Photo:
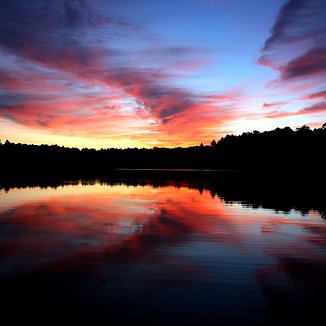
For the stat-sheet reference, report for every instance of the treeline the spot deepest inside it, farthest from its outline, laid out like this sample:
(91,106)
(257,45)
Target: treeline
(284,149)
(280,149)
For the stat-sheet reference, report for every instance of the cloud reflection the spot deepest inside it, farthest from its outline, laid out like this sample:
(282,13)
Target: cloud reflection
(166,252)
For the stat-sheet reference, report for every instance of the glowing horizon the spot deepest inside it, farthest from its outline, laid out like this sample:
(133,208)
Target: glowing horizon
(118,74)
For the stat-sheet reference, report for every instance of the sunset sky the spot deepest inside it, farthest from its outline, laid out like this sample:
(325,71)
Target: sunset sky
(141,73)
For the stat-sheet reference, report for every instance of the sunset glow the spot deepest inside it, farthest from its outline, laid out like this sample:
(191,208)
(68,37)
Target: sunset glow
(126,73)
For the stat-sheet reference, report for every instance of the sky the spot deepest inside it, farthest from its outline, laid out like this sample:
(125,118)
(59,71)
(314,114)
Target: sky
(126,73)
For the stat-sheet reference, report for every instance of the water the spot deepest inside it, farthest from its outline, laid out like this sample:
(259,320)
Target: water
(122,253)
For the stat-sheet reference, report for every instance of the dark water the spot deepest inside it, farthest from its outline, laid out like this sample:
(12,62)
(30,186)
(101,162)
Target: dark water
(156,255)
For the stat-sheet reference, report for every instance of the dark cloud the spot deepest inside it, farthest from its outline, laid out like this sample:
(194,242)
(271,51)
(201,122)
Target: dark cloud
(55,33)
(35,34)
(297,45)
(75,12)
(12,100)
(310,63)
(296,21)
(315,108)
(321,94)
(312,109)
(8,79)
(151,90)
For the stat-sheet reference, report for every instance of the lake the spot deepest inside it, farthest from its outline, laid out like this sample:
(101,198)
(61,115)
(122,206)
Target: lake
(155,254)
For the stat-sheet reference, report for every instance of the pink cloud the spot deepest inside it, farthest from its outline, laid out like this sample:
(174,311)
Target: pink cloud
(75,83)
(321,94)
(313,109)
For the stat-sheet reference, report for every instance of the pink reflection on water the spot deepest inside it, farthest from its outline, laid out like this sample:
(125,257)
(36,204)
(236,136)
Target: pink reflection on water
(162,251)
(56,224)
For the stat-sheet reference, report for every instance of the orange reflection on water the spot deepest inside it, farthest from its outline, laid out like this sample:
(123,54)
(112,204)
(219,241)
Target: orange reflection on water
(158,248)
(73,219)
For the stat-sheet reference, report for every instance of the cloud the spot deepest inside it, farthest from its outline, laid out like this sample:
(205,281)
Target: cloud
(297,45)
(321,94)
(313,62)
(287,27)
(64,51)
(313,109)
(272,105)
(8,80)
(60,34)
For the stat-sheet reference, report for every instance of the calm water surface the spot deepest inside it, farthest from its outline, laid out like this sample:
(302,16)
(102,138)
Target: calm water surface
(108,254)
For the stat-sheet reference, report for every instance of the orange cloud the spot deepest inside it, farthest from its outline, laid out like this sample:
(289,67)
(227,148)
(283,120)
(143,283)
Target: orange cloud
(73,86)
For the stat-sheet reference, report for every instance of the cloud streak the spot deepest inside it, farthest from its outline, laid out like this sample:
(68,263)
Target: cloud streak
(296,49)
(63,41)
(272,105)
(297,45)
(310,63)
(321,94)
(317,108)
